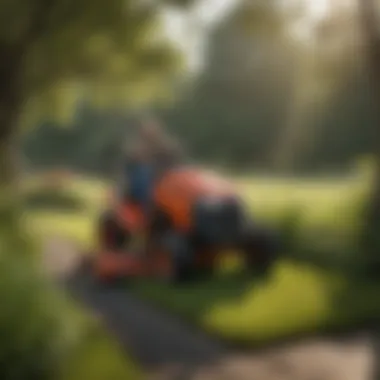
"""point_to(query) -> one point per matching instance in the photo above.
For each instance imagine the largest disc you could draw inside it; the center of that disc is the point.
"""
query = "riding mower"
(196, 217)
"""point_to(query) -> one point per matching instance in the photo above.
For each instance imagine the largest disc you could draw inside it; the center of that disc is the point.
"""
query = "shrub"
(54, 199)
(289, 226)
(37, 328)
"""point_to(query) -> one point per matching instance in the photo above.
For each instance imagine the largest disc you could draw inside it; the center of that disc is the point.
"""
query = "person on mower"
(150, 155)
(163, 150)
(139, 174)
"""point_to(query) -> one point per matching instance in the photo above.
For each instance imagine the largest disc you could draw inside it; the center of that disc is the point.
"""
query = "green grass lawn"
(80, 228)
(99, 358)
(297, 298)
(77, 225)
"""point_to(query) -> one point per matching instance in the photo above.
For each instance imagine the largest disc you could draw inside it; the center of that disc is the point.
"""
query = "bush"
(289, 226)
(37, 329)
(52, 199)
(363, 168)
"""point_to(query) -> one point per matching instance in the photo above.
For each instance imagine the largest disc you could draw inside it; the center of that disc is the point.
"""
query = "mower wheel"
(180, 256)
(261, 247)
(112, 236)
(111, 282)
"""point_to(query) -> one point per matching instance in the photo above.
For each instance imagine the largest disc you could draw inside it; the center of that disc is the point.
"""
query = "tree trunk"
(370, 235)
(10, 106)
(8, 133)
(292, 142)
(11, 98)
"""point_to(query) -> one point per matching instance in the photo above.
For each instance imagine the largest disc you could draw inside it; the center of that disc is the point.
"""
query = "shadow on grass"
(193, 299)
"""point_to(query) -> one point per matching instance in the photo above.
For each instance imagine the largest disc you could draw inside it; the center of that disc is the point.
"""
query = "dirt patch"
(352, 359)
(61, 258)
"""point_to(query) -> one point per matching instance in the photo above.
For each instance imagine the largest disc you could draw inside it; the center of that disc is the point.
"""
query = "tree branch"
(369, 19)
(39, 22)
(370, 22)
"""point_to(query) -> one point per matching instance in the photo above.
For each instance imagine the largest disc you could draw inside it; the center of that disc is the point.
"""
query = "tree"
(91, 143)
(56, 50)
(324, 63)
(370, 240)
(231, 113)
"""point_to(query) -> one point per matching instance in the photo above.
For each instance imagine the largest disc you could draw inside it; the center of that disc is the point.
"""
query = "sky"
(190, 30)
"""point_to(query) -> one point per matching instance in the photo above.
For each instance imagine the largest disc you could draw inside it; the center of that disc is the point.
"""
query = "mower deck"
(113, 265)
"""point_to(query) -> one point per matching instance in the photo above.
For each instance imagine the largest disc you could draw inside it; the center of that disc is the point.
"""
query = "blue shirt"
(140, 182)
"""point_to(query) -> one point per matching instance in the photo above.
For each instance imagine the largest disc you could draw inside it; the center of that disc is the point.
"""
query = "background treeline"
(257, 83)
